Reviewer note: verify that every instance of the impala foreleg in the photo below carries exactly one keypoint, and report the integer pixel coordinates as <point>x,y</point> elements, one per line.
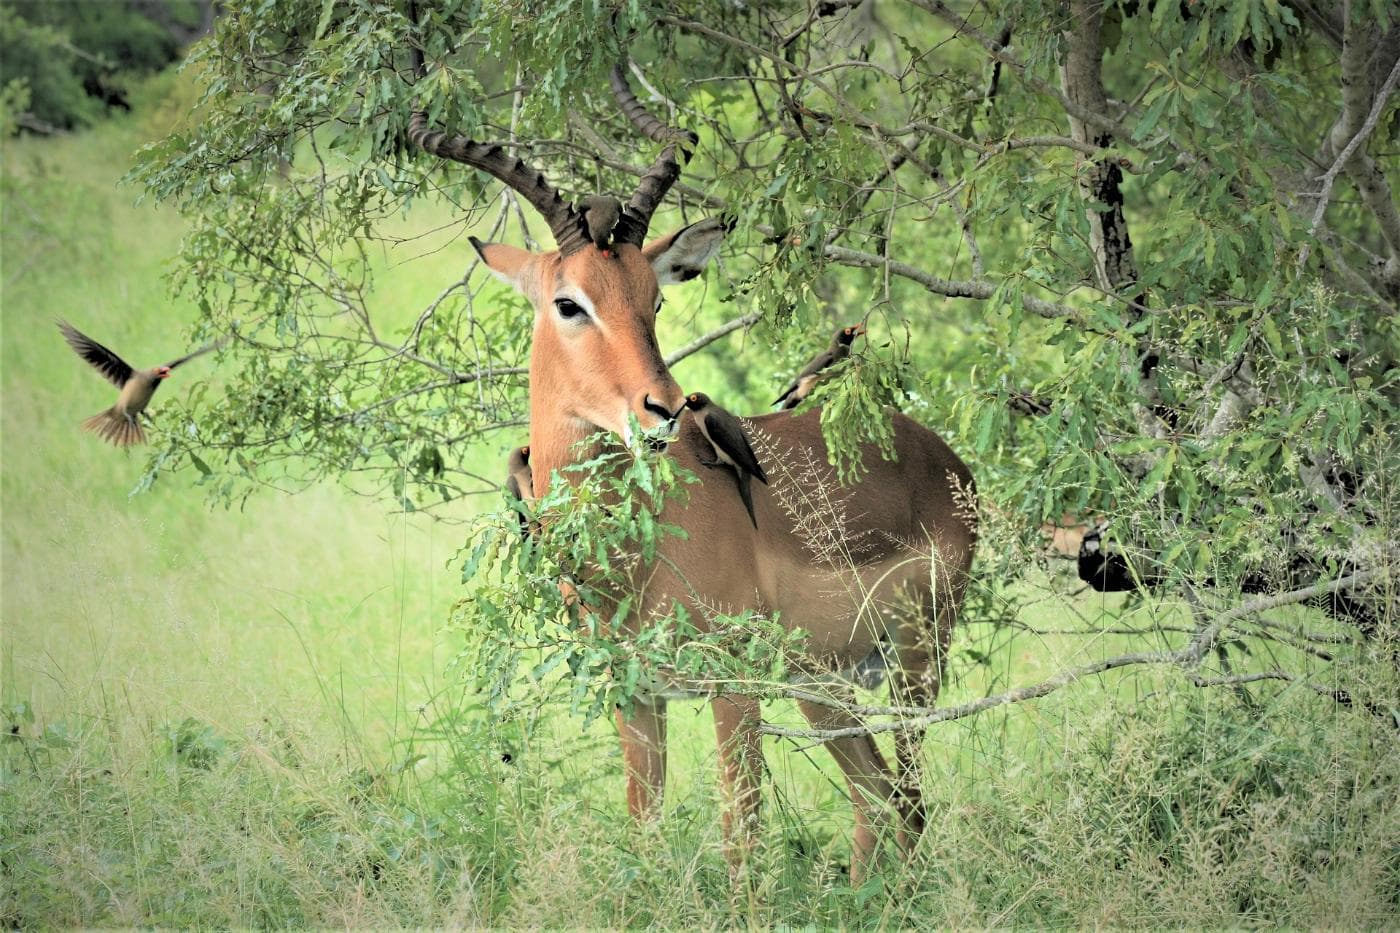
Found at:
<point>867,777</point>
<point>741,772</point>
<point>643,735</point>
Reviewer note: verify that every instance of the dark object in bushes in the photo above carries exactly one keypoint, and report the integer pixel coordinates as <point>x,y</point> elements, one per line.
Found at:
<point>1106,569</point>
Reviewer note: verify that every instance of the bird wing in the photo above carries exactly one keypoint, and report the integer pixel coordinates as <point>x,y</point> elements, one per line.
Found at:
<point>819,362</point>
<point>728,434</point>
<point>207,348</point>
<point>114,368</point>
<point>815,365</point>
<point>786,392</point>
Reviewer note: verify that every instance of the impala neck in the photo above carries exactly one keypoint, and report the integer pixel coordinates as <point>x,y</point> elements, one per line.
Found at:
<point>557,438</point>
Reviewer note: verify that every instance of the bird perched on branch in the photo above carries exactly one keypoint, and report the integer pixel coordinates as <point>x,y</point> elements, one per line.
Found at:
<point>520,482</point>
<point>121,424</point>
<point>807,380</point>
<point>730,443</point>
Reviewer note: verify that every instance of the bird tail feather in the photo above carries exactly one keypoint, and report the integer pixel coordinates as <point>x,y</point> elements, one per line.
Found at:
<point>116,427</point>
<point>741,478</point>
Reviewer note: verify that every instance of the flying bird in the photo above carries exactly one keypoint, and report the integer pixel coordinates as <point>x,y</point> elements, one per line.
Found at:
<point>121,423</point>
<point>807,380</point>
<point>730,443</point>
<point>520,482</point>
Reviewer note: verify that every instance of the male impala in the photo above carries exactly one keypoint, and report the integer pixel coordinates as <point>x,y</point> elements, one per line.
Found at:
<point>594,362</point>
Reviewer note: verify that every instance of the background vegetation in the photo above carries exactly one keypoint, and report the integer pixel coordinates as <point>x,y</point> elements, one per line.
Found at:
<point>251,714</point>
<point>62,65</point>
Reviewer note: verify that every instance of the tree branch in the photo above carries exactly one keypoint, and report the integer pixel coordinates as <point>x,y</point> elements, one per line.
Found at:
<point>916,717</point>
<point>951,288</point>
<point>701,343</point>
<point>1392,230</point>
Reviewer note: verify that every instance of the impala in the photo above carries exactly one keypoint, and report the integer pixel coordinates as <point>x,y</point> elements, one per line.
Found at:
<point>594,363</point>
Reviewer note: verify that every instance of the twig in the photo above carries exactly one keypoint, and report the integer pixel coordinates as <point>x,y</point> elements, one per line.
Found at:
<point>952,288</point>
<point>1330,178</point>
<point>915,717</point>
<point>701,343</point>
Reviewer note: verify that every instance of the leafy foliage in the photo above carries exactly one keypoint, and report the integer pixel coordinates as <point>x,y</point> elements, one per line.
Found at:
<point>593,543</point>
<point>1114,211</point>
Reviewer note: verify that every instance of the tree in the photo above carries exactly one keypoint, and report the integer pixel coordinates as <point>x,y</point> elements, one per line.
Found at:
<point>1171,227</point>
<point>73,58</point>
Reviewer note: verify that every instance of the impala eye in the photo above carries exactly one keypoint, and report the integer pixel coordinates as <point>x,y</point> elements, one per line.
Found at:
<point>568,308</point>
<point>659,303</point>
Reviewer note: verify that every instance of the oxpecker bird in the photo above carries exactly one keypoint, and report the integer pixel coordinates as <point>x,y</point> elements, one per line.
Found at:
<point>600,215</point>
<point>730,443</point>
<point>121,423</point>
<point>520,482</point>
<point>807,380</point>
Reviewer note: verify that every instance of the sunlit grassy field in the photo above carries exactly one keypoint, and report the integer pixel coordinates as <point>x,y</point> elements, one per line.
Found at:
<point>250,717</point>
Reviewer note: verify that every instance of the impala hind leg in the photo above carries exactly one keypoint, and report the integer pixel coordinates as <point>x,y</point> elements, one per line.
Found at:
<point>737,719</point>
<point>643,735</point>
<point>914,682</point>
<point>867,777</point>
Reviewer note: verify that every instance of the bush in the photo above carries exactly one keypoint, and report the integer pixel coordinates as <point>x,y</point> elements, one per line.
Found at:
<point>76,58</point>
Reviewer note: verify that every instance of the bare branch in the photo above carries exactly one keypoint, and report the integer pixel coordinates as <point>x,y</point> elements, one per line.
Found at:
<point>1344,159</point>
<point>952,288</point>
<point>701,343</point>
<point>914,717</point>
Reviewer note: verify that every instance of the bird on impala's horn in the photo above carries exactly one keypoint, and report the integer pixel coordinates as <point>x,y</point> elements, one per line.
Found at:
<point>731,445</point>
<point>121,423</point>
<point>807,380</point>
<point>600,214</point>
<point>520,482</point>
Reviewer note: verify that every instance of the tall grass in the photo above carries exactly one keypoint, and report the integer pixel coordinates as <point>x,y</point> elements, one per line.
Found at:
<point>247,718</point>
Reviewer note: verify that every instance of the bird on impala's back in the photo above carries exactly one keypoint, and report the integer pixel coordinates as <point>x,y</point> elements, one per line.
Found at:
<point>807,380</point>
<point>121,424</point>
<point>731,445</point>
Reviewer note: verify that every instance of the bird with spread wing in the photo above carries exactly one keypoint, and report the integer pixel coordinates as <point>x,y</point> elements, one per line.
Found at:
<point>121,423</point>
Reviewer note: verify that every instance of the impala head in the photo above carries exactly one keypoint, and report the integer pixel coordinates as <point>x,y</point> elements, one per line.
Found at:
<point>594,362</point>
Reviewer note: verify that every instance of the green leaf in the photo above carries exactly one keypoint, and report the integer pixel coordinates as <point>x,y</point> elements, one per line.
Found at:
<point>327,8</point>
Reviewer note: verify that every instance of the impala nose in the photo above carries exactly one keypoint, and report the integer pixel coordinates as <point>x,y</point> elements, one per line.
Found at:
<point>663,429</point>
<point>658,409</point>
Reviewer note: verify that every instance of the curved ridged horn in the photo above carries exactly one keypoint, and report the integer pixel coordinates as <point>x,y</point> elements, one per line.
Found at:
<point>636,216</point>
<point>521,177</point>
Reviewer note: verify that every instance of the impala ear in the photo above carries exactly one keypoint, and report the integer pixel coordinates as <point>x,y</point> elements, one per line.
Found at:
<point>682,255</point>
<point>507,263</point>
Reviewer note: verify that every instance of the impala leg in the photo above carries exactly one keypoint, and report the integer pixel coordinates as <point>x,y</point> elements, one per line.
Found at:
<point>643,737</point>
<point>737,718</point>
<point>867,777</point>
<point>913,683</point>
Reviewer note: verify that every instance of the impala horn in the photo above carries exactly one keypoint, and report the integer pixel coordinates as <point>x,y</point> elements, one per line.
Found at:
<point>566,223</point>
<point>636,216</point>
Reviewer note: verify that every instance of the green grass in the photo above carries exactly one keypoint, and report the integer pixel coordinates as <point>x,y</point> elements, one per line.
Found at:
<point>248,718</point>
